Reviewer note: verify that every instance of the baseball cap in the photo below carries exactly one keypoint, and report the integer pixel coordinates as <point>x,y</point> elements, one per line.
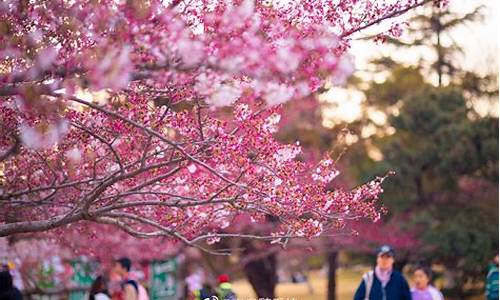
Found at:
<point>223,278</point>
<point>386,249</point>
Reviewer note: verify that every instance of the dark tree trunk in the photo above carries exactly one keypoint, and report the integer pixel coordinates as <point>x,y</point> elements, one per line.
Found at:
<point>438,27</point>
<point>260,270</point>
<point>332,275</point>
<point>440,62</point>
<point>261,273</point>
<point>421,198</point>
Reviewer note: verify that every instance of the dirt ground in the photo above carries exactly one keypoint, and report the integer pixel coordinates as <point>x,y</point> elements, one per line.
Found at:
<point>347,282</point>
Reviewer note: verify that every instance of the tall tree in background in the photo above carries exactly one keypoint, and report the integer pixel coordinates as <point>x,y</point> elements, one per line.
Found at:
<point>430,30</point>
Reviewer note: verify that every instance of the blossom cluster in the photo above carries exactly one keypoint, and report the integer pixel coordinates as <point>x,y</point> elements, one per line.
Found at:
<point>159,117</point>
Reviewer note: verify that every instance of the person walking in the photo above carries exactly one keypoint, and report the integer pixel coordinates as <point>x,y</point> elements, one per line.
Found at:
<point>424,290</point>
<point>7,289</point>
<point>194,281</point>
<point>492,280</point>
<point>206,292</point>
<point>99,289</point>
<point>225,289</point>
<point>383,283</point>
<point>130,288</point>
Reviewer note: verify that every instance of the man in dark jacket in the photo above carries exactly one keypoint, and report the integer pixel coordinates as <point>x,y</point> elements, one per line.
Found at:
<point>383,283</point>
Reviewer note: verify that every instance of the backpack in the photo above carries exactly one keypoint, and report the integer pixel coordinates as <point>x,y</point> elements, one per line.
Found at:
<point>229,296</point>
<point>368,279</point>
<point>205,294</point>
<point>226,292</point>
<point>142,294</point>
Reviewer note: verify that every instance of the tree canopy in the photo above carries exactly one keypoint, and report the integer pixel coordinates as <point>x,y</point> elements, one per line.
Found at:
<point>158,118</point>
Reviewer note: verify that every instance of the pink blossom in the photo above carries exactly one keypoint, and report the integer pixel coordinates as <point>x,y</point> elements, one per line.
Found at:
<point>396,30</point>
<point>277,93</point>
<point>113,70</point>
<point>184,140</point>
<point>344,70</point>
<point>190,51</point>
<point>224,95</point>
<point>287,60</point>
<point>286,154</point>
<point>192,169</point>
<point>40,137</point>
<point>46,57</point>
<point>74,155</point>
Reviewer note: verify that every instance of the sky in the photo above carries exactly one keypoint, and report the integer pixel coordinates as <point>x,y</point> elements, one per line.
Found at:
<point>479,41</point>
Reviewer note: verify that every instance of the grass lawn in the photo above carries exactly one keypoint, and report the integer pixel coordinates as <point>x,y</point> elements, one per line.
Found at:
<point>347,282</point>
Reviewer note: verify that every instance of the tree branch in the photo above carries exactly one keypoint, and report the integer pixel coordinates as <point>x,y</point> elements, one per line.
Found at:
<point>389,16</point>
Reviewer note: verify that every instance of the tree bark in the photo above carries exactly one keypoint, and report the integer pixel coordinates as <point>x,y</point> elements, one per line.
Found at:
<point>421,199</point>
<point>261,273</point>
<point>438,27</point>
<point>332,258</point>
<point>38,226</point>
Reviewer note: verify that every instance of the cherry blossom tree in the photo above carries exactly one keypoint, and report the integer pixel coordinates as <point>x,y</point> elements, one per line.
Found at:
<point>158,117</point>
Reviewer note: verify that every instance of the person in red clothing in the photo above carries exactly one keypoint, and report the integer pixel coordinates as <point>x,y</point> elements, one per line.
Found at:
<point>225,290</point>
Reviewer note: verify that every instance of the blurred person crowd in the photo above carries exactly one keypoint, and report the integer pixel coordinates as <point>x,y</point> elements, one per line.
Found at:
<point>385,283</point>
